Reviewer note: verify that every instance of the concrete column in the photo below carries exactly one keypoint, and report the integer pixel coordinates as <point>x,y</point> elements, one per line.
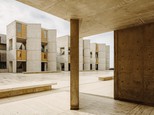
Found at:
<point>74,59</point>
<point>11,41</point>
<point>107,57</point>
<point>86,48</point>
<point>101,57</point>
<point>33,48</point>
<point>66,56</point>
<point>52,54</point>
<point>80,54</point>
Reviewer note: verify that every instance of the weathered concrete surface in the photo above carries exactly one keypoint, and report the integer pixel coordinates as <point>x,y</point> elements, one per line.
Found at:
<point>134,64</point>
<point>100,16</point>
<point>74,60</point>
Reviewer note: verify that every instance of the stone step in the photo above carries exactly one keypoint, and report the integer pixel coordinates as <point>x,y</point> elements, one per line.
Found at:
<point>27,88</point>
<point>106,78</point>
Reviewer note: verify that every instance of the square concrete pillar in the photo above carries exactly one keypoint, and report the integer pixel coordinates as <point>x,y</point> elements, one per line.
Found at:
<point>74,61</point>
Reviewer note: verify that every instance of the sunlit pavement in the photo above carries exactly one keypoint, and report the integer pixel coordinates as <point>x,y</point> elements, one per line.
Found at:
<point>89,82</point>
<point>93,96</point>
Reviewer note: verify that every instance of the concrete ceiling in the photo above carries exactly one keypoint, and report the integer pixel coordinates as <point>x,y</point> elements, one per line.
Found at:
<point>98,16</point>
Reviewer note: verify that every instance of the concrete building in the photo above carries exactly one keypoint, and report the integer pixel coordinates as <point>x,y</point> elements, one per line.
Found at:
<point>86,55</point>
<point>99,56</point>
<point>91,56</point>
<point>30,48</point>
<point>132,23</point>
<point>63,53</point>
<point>3,58</point>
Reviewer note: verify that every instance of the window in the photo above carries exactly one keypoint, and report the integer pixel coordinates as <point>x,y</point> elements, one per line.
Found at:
<point>42,48</point>
<point>19,27</point>
<point>68,51</point>
<point>62,51</point>
<point>91,54</point>
<point>96,55</point>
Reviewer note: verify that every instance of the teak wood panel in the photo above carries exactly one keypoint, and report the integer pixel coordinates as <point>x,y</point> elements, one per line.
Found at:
<point>23,33</point>
<point>21,55</point>
<point>44,56</point>
<point>134,64</point>
<point>43,38</point>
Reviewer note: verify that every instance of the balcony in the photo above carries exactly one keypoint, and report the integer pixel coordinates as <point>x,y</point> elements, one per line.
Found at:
<point>97,61</point>
<point>21,55</point>
<point>68,58</point>
<point>43,56</point>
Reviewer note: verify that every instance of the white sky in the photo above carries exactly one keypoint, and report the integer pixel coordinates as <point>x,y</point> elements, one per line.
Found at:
<point>11,10</point>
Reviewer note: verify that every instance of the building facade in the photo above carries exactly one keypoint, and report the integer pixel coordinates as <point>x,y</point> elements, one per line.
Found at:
<point>99,56</point>
<point>30,48</point>
<point>92,56</point>
<point>63,53</point>
<point>3,58</point>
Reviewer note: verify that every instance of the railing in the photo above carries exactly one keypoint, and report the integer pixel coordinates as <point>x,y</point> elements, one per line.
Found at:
<point>97,61</point>
<point>44,56</point>
<point>21,55</point>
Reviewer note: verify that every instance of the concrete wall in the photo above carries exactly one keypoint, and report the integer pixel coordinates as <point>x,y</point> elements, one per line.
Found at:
<point>86,57</point>
<point>11,54</point>
<point>93,58</point>
<point>33,48</point>
<point>52,50</point>
<point>81,54</point>
<point>101,56</point>
<point>63,41</point>
<point>107,57</point>
<point>134,64</point>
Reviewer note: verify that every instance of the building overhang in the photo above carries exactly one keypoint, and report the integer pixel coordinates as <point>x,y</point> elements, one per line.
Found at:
<point>100,15</point>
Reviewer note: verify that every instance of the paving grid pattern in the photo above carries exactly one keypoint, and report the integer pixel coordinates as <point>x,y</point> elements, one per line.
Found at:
<point>49,103</point>
<point>89,82</point>
<point>56,102</point>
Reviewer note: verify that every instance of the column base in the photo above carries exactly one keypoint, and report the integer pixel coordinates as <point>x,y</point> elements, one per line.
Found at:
<point>74,108</point>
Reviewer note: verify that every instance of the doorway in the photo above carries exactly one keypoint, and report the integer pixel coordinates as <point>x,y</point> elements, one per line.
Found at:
<point>62,67</point>
<point>21,67</point>
<point>42,66</point>
<point>10,66</point>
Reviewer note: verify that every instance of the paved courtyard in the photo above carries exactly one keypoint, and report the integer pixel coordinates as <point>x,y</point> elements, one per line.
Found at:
<point>95,96</point>
<point>89,82</point>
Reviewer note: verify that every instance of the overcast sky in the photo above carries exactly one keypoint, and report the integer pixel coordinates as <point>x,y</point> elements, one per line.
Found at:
<point>11,10</point>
